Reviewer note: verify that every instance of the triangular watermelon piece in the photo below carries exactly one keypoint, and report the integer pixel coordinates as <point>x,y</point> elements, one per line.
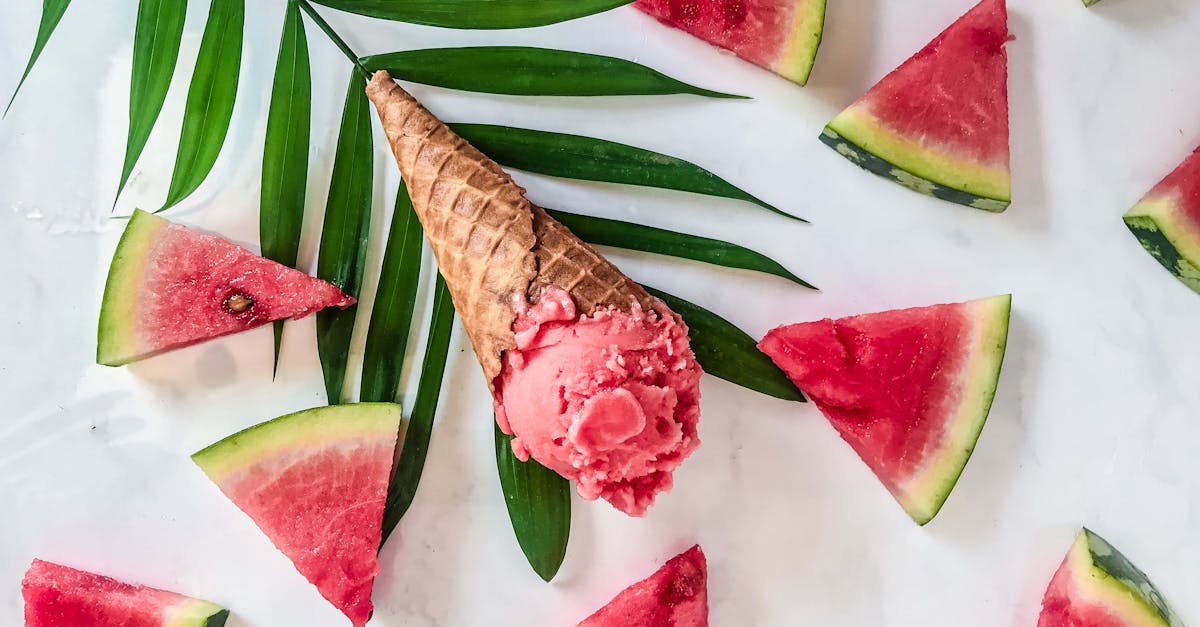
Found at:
<point>908,389</point>
<point>60,596</point>
<point>170,287</point>
<point>1167,221</point>
<point>675,596</point>
<point>316,483</point>
<point>779,35</point>
<point>938,124</point>
<point>1097,586</point>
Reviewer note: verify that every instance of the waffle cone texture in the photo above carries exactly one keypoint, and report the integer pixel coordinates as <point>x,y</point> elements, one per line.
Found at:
<point>494,247</point>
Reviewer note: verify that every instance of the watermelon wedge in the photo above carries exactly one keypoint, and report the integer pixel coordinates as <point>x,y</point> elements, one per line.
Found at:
<point>938,124</point>
<point>908,389</point>
<point>316,482</point>
<point>675,596</point>
<point>779,35</point>
<point>60,596</point>
<point>1167,222</point>
<point>170,287</point>
<point>1096,586</point>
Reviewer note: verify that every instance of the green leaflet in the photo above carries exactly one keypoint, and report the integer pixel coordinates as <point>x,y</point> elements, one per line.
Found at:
<point>395,300</point>
<point>210,98</point>
<point>52,13</point>
<point>156,42</point>
<point>631,236</point>
<point>591,159</point>
<point>523,71</point>
<point>539,506</point>
<point>333,37</point>
<point>285,155</point>
<point>342,256</point>
<point>725,351</point>
<point>476,14</point>
<point>420,426</point>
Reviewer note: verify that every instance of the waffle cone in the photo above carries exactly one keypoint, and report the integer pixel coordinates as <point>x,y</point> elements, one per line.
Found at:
<point>493,246</point>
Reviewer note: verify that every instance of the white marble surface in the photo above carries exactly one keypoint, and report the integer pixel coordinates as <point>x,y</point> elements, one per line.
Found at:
<point>1096,421</point>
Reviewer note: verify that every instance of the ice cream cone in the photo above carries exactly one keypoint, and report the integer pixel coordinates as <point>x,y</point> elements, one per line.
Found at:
<point>493,246</point>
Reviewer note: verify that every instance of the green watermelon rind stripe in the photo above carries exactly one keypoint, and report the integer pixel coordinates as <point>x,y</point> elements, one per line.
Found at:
<point>916,181</point>
<point>1116,575</point>
<point>800,52</point>
<point>197,613</point>
<point>1158,225</point>
<point>939,479</point>
<point>116,338</point>
<point>306,430</point>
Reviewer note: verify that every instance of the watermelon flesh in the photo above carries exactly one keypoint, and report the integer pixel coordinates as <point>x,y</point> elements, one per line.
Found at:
<point>60,596</point>
<point>1167,222</point>
<point>1097,586</point>
<point>170,287</point>
<point>316,482</point>
<point>908,389</point>
<point>938,124</point>
<point>675,596</point>
<point>779,35</point>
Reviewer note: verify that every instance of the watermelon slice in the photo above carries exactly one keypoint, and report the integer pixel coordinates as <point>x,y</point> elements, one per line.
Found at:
<point>909,389</point>
<point>779,35</point>
<point>1167,221</point>
<point>1096,586</point>
<point>938,124</point>
<point>316,482</point>
<point>170,287</point>
<point>59,596</point>
<point>675,596</point>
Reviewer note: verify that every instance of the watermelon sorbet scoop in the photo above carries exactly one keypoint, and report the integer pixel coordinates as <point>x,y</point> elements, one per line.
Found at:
<point>610,400</point>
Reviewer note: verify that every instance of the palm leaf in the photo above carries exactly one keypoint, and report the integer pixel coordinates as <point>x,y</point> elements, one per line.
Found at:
<point>342,256</point>
<point>523,71</point>
<point>476,14</point>
<point>539,507</point>
<point>395,301</point>
<point>631,236</point>
<point>591,159</point>
<point>52,13</point>
<point>285,154</point>
<point>156,40</point>
<point>725,351</point>
<point>210,99</point>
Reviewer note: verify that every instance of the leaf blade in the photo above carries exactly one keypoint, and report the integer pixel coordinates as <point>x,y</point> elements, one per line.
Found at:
<point>156,41</point>
<point>395,303</point>
<point>592,159</point>
<point>52,13</point>
<point>632,236</point>
<point>411,464</point>
<point>539,507</point>
<point>285,151</point>
<point>526,71</point>
<point>476,14</point>
<point>727,352</point>
<point>211,98</point>
<point>341,259</point>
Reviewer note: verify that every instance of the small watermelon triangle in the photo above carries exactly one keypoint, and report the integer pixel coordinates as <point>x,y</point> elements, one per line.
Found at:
<point>1167,221</point>
<point>675,596</point>
<point>60,596</point>
<point>316,483</point>
<point>908,389</point>
<point>779,35</point>
<point>938,124</point>
<point>170,287</point>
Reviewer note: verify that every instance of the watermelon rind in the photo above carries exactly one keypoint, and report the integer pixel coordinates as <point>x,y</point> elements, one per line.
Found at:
<point>302,430</point>
<point>860,138</point>
<point>799,56</point>
<point>197,613</point>
<point>923,495</point>
<point>117,334</point>
<point>1162,228</point>
<point>1106,577</point>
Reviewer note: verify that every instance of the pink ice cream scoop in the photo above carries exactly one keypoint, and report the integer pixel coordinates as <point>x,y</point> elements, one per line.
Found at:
<point>609,400</point>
